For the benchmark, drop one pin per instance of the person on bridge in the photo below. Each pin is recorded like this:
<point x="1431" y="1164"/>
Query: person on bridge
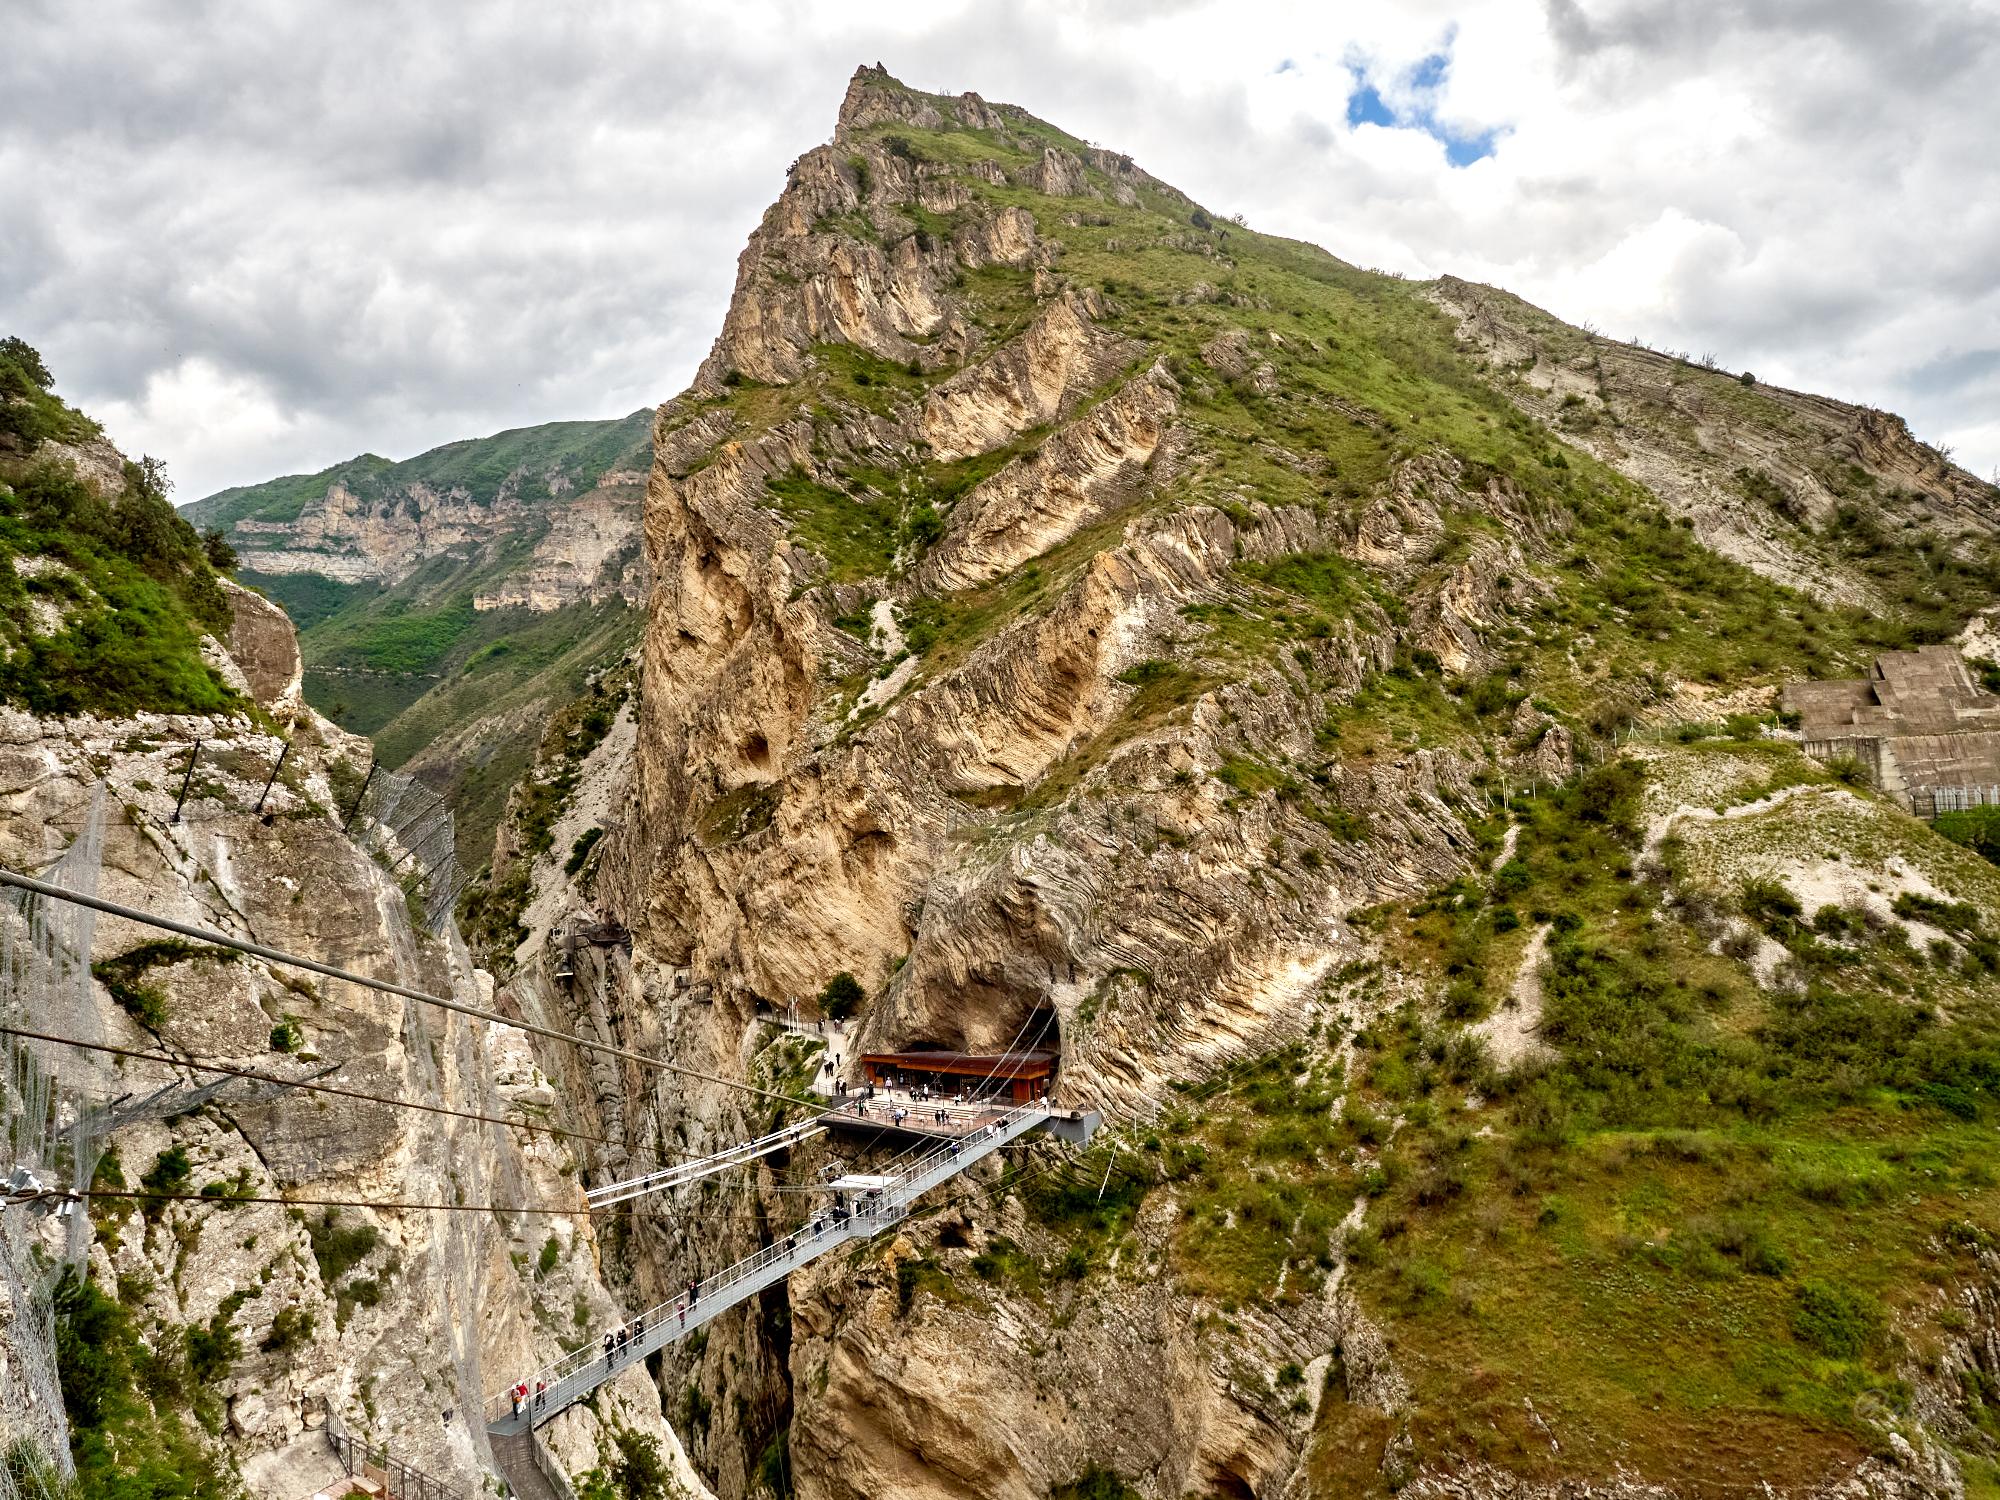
<point x="681" y="1308"/>
<point x="541" y="1393"/>
<point x="694" y="1291"/>
<point x="610" y="1344"/>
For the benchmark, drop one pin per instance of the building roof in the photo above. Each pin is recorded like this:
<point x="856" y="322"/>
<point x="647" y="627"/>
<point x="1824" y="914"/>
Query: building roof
<point x="1926" y="691"/>
<point x="981" y="1064"/>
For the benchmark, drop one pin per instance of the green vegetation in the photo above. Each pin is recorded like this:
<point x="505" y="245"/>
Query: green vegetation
<point x="1095" y="1484"/>
<point x="841" y="997"/>
<point x="338" y="1248"/>
<point x="130" y="1396"/>
<point x="1976" y="828"/>
<point x="30" y="411"/>
<point x="490" y="910"/>
<point x="169" y="1178"/>
<point x="580" y="850"/>
<point x="1691" y="1185"/>
<point x="291" y="1328"/>
<point x="103" y="599"/>
<point x="633" y="1470"/>
<point x="124" y="975"/>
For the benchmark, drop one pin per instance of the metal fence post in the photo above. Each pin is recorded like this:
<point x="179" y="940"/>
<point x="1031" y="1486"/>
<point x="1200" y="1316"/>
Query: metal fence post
<point x="358" y="796"/>
<point x="194" y="754"/>
<point x="283" y="750"/>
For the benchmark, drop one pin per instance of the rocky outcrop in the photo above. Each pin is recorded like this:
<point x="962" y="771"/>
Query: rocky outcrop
<point x="1757" y="470"/>
<point x="570" y="489"/>
<point x="589" y="554"/>
<point x="426" y="1311"/>
<point x="264" y="648"/>
<point x="1027" y="384"/>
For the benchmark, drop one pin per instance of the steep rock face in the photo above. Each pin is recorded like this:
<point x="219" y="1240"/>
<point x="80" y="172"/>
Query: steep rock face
<point x="573" y="488"/>
<point x="425" y="1312"/>
<point x="583" y="554"/>
<point x="1084" y="654"/>
<point x="264" y="648"/>
<point x="589" y="554"/>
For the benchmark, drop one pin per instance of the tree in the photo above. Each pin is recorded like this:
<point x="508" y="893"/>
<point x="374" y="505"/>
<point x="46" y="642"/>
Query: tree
<point x="842" y="997"/>
<point x="221" y="556"/>
<point x="24" y="358"/>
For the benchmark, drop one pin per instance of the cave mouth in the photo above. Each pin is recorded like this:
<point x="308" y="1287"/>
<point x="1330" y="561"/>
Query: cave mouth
<point x="1020" y="1072"/>
<point x="757" y="751"/>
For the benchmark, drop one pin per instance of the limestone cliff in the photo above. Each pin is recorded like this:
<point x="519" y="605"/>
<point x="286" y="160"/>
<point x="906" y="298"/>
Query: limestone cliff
<point x="1098" y="625"/>
<point x="393" y="1317"/>
<point x="551" y="511"/>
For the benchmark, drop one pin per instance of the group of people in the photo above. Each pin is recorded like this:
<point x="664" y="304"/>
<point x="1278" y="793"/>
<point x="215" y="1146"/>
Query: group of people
<point x="616" y="1340"/>
<point x="520" y="1395"/>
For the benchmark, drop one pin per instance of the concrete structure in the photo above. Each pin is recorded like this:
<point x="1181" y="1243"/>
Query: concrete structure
<point x="1924" y="729"/>
<point x="1020" y="1076"/>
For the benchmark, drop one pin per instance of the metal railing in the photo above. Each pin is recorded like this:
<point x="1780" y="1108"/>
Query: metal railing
<point x="1929" y="801"/>
<point x="360" y="1459"/>
<point x="566" y="1381"/>
<point x="545" y="1462"/>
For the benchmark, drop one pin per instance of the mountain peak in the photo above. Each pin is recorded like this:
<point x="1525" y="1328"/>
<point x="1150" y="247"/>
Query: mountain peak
<point x="874" y="97"/>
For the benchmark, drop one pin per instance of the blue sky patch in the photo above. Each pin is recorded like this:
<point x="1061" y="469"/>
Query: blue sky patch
<point x="1420" y="84"/>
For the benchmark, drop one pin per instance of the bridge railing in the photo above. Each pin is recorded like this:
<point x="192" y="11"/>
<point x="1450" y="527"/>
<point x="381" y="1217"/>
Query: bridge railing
<point x="884" y="1206"/>
<point x="360" y="1459"/>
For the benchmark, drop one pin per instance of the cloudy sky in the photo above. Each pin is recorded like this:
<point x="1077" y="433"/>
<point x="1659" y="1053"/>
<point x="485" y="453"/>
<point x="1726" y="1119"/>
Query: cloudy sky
<point x="257" y="239"/>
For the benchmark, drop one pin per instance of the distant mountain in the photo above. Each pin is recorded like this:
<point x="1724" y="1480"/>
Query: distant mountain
<point x="444" y="602"/>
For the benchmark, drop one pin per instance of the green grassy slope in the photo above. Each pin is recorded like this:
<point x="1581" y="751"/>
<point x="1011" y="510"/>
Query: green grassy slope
<point x="103" y="598"/>
<point x="531" y="455"/>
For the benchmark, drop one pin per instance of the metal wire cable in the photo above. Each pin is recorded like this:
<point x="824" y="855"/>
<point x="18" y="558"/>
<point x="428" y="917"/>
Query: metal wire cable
<point x="325" y="1088"/>
<point x="387" y="987"/>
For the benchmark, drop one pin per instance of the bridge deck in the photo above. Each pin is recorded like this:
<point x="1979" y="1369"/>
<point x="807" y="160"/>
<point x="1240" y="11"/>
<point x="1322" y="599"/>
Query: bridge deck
<point x="571" y="1379"/>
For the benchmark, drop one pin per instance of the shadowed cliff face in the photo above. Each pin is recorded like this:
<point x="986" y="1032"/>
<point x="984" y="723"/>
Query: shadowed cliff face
<point x="1087" y="622"/>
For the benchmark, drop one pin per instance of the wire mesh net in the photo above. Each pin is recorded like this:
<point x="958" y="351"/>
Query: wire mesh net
<point x="51" y="1102"/>
<point x="407" y="828"/>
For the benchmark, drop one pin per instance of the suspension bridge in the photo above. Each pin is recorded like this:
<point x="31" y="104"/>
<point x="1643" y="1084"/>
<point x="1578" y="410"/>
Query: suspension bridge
<point x="863" y="1204"/>
<point x="46" y="985"/>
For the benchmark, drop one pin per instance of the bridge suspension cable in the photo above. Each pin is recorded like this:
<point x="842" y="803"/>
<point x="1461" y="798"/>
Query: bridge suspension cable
<point x="388" y="987"/>
<point x="228" y="1071"/>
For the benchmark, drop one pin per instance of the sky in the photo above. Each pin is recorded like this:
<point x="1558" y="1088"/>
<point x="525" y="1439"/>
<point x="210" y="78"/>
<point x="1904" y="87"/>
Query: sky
<point x="259" y="238"/>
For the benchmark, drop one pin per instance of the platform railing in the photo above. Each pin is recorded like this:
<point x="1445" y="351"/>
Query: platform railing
<point x="874" y="1211"/>
<point x="360" y="1459"/>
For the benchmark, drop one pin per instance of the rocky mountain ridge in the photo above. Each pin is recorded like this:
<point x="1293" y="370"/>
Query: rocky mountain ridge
<point x="567" y="490"/>
<point x="1086" y="619"/>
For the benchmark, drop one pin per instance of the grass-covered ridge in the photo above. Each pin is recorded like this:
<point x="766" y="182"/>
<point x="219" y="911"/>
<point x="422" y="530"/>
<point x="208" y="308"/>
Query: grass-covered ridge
<point x="1307" y="382"/>
<point x="528" y="463"/>
<point x="104" y="598"/>
<point x="1700" y="1225"/>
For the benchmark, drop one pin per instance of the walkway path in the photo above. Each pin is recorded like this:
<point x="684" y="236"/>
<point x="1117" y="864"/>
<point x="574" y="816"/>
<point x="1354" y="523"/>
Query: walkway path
<point x="877" y="1203"/>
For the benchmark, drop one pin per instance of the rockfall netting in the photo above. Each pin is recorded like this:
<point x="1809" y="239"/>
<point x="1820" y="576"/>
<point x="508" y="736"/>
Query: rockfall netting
<point x="51" y="1102"/>
<point x="407" y="828"/>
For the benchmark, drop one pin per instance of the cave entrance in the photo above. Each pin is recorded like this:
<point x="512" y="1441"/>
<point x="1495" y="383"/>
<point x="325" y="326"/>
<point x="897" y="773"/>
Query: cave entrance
<point x="1019" y="1075"/>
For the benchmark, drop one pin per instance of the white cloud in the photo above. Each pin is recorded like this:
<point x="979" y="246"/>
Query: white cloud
<point x="262" y="239"/>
